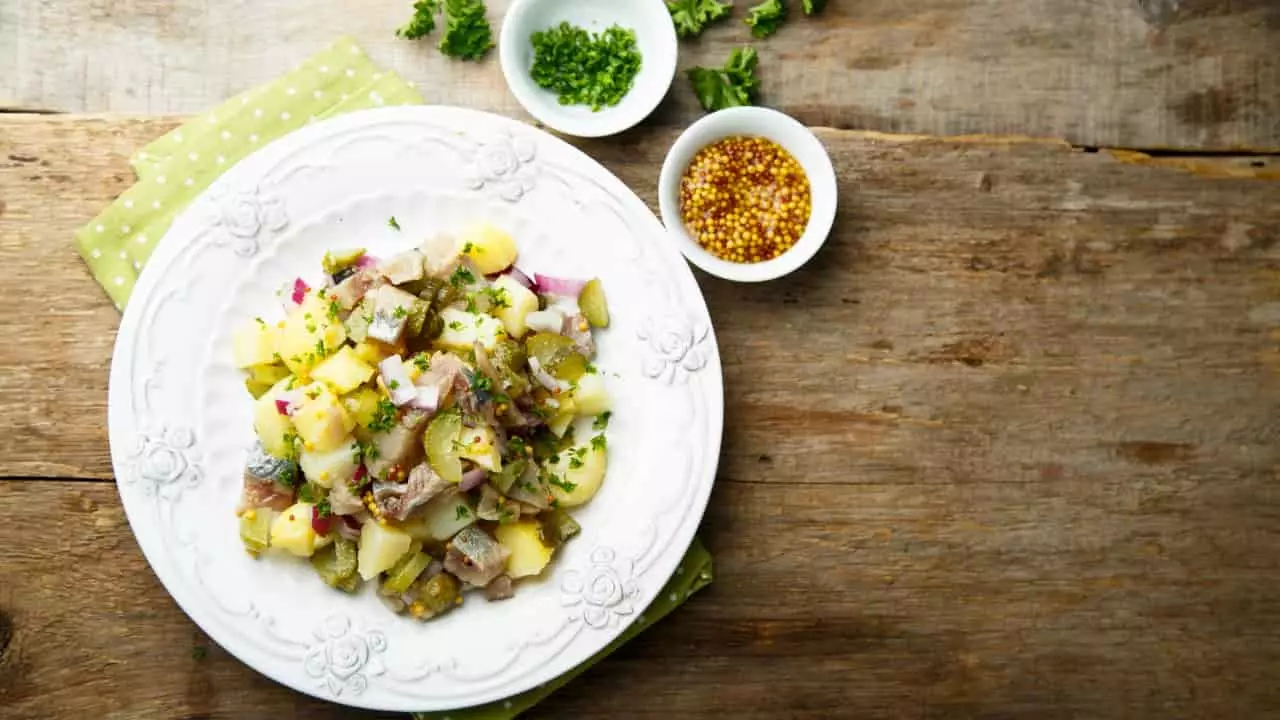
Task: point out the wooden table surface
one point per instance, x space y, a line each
1007 448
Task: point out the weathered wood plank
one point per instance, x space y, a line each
1068 595
971 286
1117 73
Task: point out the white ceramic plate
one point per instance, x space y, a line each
180 418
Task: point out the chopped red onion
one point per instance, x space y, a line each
396 378
349 528
473 479
520 277
367 261
559 286
322 525
300 289
282 407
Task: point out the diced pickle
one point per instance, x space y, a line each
405 571
557 527
334 261
511 472
593 303
357 323
256 389
441 441
255 530
268 374
438 594
336 564
556 354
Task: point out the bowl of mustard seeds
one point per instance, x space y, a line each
748 194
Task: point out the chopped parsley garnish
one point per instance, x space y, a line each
455 326
575 458
481 383
421 361
462 276
692 16
394 384
384 417
466 249
334 309
399 312
323 508
516 446
731 86
461 513
591 369
471 302
602 420
585 68
320 350
306 494
261 321
599 442
813 7
498 297
289 478
766 18
392 223
561 483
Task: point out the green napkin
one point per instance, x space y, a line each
176 168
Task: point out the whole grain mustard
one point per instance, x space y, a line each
745 199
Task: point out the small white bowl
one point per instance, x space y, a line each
798 140
655 38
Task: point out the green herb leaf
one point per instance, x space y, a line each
461 276
461 513
602 420
323 508
467 34
766 18
384 417
733 85
813 7
422 22
391 221
585 68
599 442
692 16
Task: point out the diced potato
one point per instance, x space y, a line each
577 485
591 396
477 445
254 344
380 547
528 555
321 421
441 518
462 330
307 330
491 249
362 405
330 466
291 531
520 302
343 371
373 352
271 426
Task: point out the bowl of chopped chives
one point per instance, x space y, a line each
588 68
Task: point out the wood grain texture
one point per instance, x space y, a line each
1006 448
1115 73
